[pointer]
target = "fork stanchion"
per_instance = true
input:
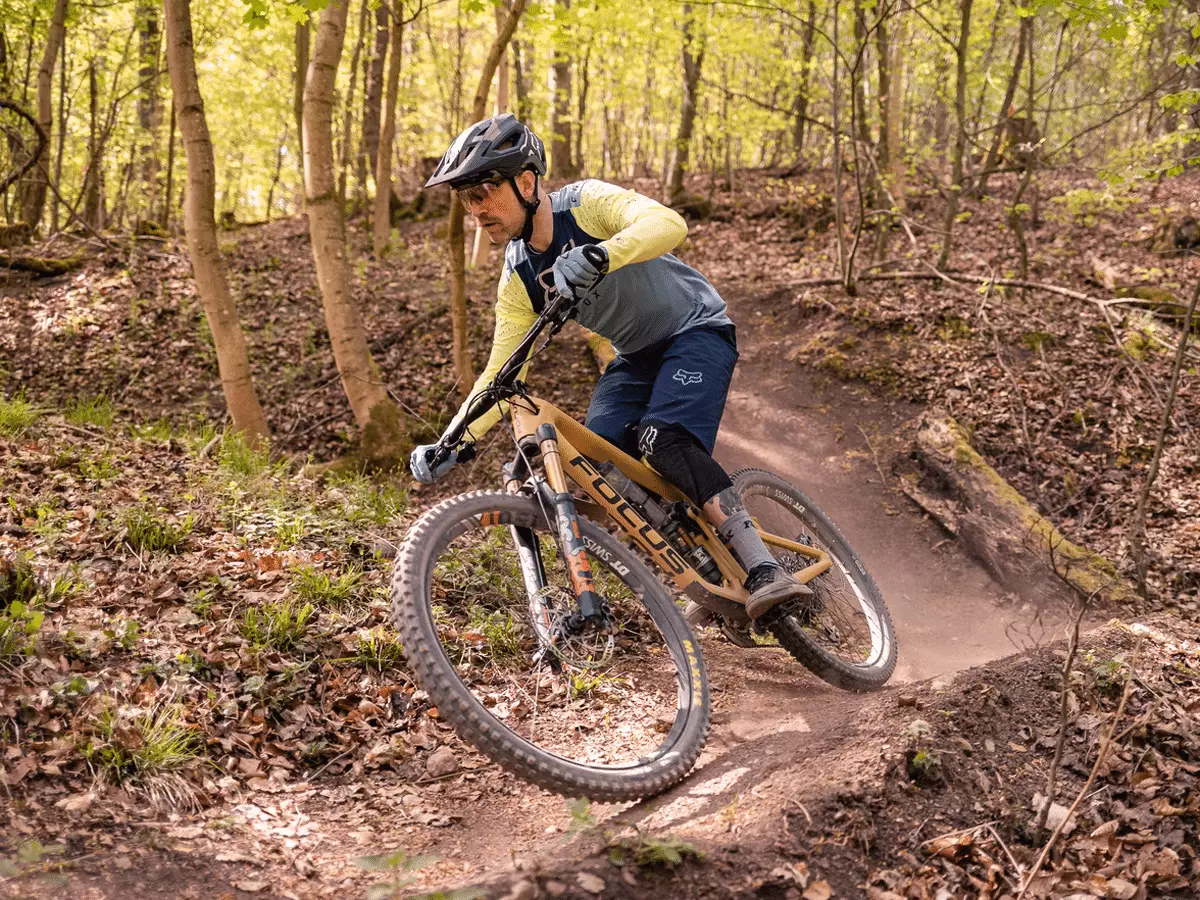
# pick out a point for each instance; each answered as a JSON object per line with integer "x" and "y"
{"x": 590, "y": 604}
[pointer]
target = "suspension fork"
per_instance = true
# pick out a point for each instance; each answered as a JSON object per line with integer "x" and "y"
{"x": 570, "y": 540}
{"x": 529, "y": 556}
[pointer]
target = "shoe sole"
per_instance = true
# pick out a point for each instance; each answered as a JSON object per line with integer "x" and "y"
{"x": 767, "y": 598}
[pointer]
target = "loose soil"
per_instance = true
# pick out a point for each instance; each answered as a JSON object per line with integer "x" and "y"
{"x": 803, "y": 791}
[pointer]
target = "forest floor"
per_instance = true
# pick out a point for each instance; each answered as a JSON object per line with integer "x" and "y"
{"x": 159, "y": 550}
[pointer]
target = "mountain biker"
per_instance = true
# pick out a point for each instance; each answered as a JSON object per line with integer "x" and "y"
{"x": 608, "y": 249}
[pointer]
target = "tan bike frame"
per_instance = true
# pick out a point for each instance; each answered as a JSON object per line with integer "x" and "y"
{"x": 569, "y": 456}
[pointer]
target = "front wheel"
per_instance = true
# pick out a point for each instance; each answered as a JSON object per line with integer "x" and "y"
{"x": 844, "y": 635}
{"x": 611, "y": 716}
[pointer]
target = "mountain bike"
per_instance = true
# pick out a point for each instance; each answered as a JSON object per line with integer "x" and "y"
{"x": 534, "y": 620}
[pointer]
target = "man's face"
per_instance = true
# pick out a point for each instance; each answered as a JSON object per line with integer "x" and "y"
{"x": 496, "y": 209}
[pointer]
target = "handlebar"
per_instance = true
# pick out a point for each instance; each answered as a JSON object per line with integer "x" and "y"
{"x": 558, "y": 310}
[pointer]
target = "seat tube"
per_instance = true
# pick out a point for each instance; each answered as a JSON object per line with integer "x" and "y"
{"x": 567, "y": 524}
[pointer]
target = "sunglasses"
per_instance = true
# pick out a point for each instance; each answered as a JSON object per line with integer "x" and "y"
{"x": 478, "y": 193}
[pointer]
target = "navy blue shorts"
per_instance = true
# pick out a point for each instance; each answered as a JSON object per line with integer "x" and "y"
{"x": 680, "y": 381}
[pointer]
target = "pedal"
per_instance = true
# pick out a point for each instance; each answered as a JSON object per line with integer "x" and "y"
{"x": 742, "y": 637}
{"x": 698, "y": 616}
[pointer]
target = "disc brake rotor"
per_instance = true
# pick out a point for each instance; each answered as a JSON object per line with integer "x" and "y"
{"x": 577, "y": 650}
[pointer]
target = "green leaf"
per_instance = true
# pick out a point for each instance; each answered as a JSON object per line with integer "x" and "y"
{"x": 1114, "y": 32}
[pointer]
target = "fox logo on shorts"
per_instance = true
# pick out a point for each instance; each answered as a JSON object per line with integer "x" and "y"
{"x": 683, "y": 376}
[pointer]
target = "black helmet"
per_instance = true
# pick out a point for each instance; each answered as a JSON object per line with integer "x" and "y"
{"x": 499, "y": 147}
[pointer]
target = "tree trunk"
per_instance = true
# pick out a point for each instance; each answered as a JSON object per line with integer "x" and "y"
{"x": 63, "y": 109}
{"x": 839, "y": 213}
{"x": 960, "y": 134}
{"x": 864, "y": 173}
{"x": 93, "y": 215}
{"x": 886, "y": 148}
{"x": 562, "y": 161}
{"x": 381, "y": 220}
{"x": 693, "y": 60}
{"x": 520, "y": 84}
{"x": 374, "y": 91}
{"x": 581, "y": 109}
{"x": 149, "y": 108}
{"x": 800, "y": 108}
{"x": 1022, "y": 549}
{"x": 1010, "y": 91}
{"x": 895, "y": 115}
{"x": 233, "y": 362}
{"x": 458, "y": 282}
{"x": 383, "y": 426}
{"x": 166, "y": 211}
{"x": 35, "y": 200}
{"x": 348, "y": 102}
{"x": 302, "y": 45}
{"x": 480, "y": 250}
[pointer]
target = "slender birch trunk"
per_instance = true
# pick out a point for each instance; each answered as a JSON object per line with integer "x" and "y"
{"x": 233, "y": 362}
{"x": 382, "y": 423}
{"x": 381, "y": 221}
{"x": 463, "y": 370}
{"x": 960, "y": 135}
{"x": 693, "y": 60}
{"x": 35, "y": 200}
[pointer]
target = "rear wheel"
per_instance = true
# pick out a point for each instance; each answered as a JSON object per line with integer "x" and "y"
{"x": 609, "y": 716}
{"x": 844, "y": 634}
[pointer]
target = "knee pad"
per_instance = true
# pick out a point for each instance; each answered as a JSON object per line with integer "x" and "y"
{"x": 679, "y": 457}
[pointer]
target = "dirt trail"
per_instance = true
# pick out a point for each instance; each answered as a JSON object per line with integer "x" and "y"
{"x": 774, "y": 724}
{"x": 949, "y": 615}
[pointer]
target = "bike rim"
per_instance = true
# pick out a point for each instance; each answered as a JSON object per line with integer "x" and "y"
{"x": 845, "y": 623}
{"x": 610, "y": 705}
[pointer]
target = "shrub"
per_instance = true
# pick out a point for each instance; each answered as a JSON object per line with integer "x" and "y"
{"x": 19, "y": 626}
{"x": 133, "y": 743}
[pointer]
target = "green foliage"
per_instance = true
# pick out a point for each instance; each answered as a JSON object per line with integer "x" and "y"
{"x": 582, "y": 818}
{"x": 399, "y": 866}
{"x": 369, "y": 503}
{"x": 1084, "y": 205}
{"x": 378, "y": 648}
{"x": 148, "y": 530}
{"x": 288, "y": 535}
{"x": 16, "y": 415}
{"x": 585, "y": 682}
{"x": 200, "y": 437}
{"x": 100, "y": 468}
{"x": 19, "y": 627}
{"x": 241, "y": 458}
{"x": 646, "y": 850}
{"x": 18, "y": 580}
{"x": 317, "y": 587}
{"x": 279, "y": 625}
{"x": 499, "y": 630}
{"x": 134, "y": 743}
{"x": 32, "y": 859}
{"x": 158, "y": 430}
{"x": 94, "y": 411}
{"x": 924, "y": 766}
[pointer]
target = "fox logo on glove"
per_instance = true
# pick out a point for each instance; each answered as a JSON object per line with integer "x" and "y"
{"x": 683, "y": 376}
